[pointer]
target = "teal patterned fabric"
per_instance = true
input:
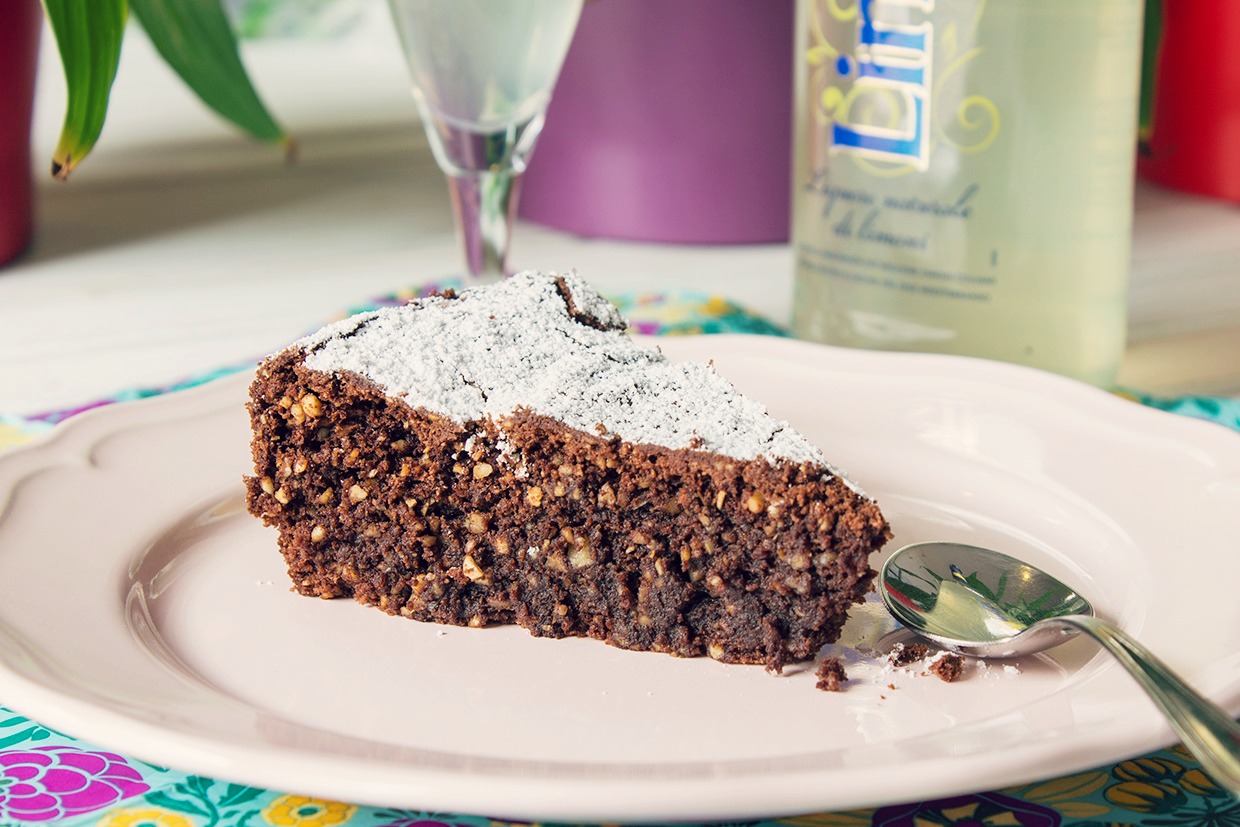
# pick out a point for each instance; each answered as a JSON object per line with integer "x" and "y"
{"x": 48, "y": 777}
{"x": 1223, "y": 410}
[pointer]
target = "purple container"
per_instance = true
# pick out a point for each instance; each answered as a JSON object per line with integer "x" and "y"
{"x": 20, "y": 21}
{"x": 672, "y": 121}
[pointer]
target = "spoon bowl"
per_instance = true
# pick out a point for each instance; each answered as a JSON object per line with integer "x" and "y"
{"x": 976, "y": 601}
{"x": 982, "y": 603}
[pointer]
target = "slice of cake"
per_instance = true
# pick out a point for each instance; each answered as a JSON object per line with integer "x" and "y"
{"x": 510, "y": 455}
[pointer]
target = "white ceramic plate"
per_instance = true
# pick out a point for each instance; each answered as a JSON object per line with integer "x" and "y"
{"x": 143, "y": 610}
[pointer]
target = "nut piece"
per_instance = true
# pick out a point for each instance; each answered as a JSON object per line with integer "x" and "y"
{"x": 474, "y": 572}
{"x": 800, "y": 561}
{"x": 268, "y": 485}
{"x": 311, "y": 406}
{"x": 581, "y": 555}
{"x": 281, "y": 496}
{"x": 317, "y": 534}
{"x": 482, "y": 470}
{"x": 534, "y": 496}
{"x": 477, "y": 522}
{"x": 606, "y": 495}
{"x": 755, "y": 503}
{"x": 357, "y": 493}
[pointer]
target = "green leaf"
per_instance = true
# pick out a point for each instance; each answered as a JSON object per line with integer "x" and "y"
{"x": 1150, "y": 49}
{"x": 238, "y": 794}
{"x": 33, "y": 732}
{"x": 196, "y": 40}
{"x": 89, "y": 36}
{"x": 162, "y": 799}
{"x": 197, "y": 786}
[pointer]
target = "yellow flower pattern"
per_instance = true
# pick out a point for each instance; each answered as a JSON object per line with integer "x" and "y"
{"x": 144, "y": 817}
{"x": 11, "y": 436}
{"x": 301, "y": 811}
{"x": 1069, "y": 794}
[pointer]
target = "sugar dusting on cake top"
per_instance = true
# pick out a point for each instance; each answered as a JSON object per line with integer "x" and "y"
{"x": 552, "y": 344}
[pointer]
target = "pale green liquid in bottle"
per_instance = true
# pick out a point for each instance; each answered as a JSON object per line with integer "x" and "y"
{"x": 1009, "y": 235}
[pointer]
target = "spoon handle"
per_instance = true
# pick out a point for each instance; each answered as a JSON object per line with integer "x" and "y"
{"x": 1206, "y": 730}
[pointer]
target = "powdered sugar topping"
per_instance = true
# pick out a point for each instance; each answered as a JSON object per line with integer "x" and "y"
{"x": 552, "y": 344}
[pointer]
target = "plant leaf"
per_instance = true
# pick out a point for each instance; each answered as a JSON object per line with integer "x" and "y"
{"x": 160, "y": 798}
{"x": 238, "y": 794}
{"x": 89, "y": 37}
{"x": 1150, "y": 50}
{"x": 196, "y": 39}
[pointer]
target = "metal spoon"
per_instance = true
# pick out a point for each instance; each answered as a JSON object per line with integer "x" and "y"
{"x": 979, "y": 602}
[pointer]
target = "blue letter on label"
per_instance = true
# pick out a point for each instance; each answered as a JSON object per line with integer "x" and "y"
{"x": 891, "y": 59}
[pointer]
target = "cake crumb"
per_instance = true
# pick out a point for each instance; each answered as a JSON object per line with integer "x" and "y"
{"x": 947, "y": 666}
{"x": 903, "y": 654}
{"x": 831, "y": 675}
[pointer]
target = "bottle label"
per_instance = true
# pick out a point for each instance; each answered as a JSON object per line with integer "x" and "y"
{"x": 890, "y": 61}
{"x": 893, "y": 144}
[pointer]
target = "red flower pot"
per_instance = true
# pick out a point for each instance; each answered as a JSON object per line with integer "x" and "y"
{"x": 19, "y": 47}
{"x": 1194, "y": 141}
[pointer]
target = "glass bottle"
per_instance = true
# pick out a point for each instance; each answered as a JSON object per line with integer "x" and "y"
{"x": 963, "y": 177}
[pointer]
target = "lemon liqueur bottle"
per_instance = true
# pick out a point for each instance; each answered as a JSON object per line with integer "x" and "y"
{"x": 963, "y": 177}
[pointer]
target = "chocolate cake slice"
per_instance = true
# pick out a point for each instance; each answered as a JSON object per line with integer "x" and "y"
{"x": 510, "y": 455}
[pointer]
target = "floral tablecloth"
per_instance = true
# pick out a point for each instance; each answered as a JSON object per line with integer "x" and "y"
{"x": 49, "y": 777}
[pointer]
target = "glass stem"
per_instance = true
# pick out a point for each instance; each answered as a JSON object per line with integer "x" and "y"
{"x": 486, "y": 207}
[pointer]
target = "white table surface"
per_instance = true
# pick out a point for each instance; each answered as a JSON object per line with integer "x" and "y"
{"x": 180, "y": 246}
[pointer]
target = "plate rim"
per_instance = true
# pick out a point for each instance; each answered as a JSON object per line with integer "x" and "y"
{"x": 73, "y": 715}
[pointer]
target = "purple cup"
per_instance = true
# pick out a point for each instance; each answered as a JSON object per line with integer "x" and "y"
{"x": 671, "y": 122}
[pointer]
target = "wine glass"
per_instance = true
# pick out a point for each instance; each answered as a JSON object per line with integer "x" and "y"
{"x": 482, "y": 73}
